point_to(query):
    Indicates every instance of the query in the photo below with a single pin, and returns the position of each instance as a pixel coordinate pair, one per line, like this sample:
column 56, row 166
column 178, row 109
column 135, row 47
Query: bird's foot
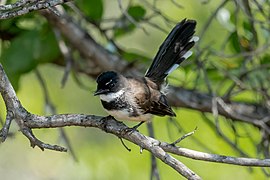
column 134, row 128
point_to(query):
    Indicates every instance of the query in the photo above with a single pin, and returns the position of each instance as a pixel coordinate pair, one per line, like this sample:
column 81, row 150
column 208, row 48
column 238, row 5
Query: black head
column 107, row 82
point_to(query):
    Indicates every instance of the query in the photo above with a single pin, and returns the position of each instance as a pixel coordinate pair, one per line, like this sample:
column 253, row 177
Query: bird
column 138, row 98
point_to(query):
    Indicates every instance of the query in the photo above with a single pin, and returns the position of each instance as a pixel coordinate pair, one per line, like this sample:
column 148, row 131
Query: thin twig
column 177, row 4
column 66, row 52
column 210, row 19
column 180, row 129
column 225, row 138
column 67, row 142
column 184, row 136
column 130, row 18
column 50, row 109
column 154, row 168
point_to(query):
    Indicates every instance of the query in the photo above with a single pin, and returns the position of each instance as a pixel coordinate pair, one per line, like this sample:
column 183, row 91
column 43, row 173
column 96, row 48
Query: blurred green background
column 100, row 155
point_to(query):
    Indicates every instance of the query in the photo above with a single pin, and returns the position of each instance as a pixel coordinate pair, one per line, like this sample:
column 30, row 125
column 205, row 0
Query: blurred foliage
column 27, row 49
column 19, row 57
column 125, row 25
column 232, row 56
column 92, row 9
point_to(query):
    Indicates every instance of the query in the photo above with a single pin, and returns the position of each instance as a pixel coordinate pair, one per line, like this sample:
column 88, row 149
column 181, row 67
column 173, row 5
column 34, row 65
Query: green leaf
column 248, row 31
column 9, row 29
column 48, row 49
column 123, row 30
column 247, row 26
column 214, row 75
column 91, row 8
column 235, row 42
column 137, row 12
column 265, row 59
column 26, row 51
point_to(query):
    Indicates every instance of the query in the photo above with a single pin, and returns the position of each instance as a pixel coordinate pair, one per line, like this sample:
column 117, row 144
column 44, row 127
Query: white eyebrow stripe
column 108, row 82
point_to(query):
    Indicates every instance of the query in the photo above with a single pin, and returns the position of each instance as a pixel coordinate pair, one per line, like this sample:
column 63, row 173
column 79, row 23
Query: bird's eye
column 111, row 85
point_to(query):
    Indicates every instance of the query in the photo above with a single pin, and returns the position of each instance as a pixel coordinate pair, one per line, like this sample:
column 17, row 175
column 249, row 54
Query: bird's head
column 107, row 82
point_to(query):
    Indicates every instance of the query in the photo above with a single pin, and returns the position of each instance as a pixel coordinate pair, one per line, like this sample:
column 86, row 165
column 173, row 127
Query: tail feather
column 173, row 51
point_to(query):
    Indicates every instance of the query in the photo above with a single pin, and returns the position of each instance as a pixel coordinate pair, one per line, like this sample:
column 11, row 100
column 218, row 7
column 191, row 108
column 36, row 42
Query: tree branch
column 112, row 126
column 22, row 7
column 28, row 121
column 216, row 158
column 15, row 111
column 154, row 168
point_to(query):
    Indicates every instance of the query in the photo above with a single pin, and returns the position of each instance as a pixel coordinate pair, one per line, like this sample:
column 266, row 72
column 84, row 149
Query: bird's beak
column 101, row 91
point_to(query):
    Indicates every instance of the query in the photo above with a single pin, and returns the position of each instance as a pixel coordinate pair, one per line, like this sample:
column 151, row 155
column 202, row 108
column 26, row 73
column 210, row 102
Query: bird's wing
column 161, row 107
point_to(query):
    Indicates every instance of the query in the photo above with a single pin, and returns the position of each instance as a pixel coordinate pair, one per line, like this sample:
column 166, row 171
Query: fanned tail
column 173, row 51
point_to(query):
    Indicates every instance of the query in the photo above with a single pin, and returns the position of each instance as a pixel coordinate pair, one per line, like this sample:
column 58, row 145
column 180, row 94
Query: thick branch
column 97, row 59
column 13, row 105
column 250, row 113
column 15, row 111
column 22, row 7
column 112, row 126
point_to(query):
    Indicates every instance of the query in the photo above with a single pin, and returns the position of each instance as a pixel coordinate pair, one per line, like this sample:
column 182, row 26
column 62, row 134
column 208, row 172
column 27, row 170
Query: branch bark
column 22, row 7
column 109, row 125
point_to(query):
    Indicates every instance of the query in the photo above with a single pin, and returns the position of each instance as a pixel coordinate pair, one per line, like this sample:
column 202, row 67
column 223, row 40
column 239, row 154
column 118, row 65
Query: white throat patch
column 111, row 96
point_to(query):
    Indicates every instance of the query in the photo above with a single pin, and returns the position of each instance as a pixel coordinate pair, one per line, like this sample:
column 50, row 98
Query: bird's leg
column 134, row 128
column 138, row 125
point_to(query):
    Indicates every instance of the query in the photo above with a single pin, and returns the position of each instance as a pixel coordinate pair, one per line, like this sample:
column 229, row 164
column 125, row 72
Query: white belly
column 123, row 115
